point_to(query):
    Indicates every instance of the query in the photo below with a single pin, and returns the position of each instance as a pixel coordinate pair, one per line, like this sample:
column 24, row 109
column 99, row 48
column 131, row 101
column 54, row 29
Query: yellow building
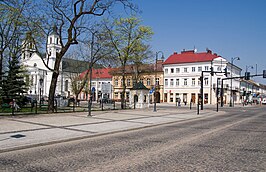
column 145, row 73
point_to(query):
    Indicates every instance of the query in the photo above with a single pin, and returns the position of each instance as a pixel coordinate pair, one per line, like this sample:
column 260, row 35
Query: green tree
column 13, row 86
column 127, row 36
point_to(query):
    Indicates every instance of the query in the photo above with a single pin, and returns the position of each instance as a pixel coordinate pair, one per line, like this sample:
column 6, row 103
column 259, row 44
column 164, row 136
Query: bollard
column 55, row 105
column 35, row 107
column 198, row 109
column 190, row 105
column 74, row 102
column 13, row 107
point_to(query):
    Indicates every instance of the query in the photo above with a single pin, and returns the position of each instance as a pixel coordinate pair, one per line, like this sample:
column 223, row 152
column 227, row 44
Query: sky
column 230, row 28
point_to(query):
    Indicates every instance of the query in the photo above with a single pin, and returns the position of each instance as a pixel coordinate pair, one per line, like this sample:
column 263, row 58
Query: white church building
column 39, row 75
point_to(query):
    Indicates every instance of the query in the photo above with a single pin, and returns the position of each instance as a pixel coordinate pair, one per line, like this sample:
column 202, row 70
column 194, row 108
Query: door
column 193, row 97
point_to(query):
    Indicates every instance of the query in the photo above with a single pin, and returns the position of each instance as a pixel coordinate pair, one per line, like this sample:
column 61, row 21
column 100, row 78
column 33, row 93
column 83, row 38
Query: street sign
column 93, row 89
column 151, row 91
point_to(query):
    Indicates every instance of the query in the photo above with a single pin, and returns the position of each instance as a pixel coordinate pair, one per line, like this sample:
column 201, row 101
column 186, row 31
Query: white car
column 263, row 100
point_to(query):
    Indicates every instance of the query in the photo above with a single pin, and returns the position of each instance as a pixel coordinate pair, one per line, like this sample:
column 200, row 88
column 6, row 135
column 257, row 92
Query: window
column 206, row 68
column 193, row 81
column 185, row 81
column 177, row 70
column 199, row 81
column 219, row 68
column 199, row 69
column 66, row 85
column 166, row 71
column 193, row 69
column 219, row 81
column 172, row 70
column 116, row 83
column 185, row 69
column 172, row 82
column 157, row 81
column 148, row 81
column 116, row 95
column 121, row 82
column 51, row 40
column 171, row 97
column 206, row 81
column 57, row 41
column 166, row 82
column 128, row 82
column 177, row 82
column 31, row 81
column 176, row 97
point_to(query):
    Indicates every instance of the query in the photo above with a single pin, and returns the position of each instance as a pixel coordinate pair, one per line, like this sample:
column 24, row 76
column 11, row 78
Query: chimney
column 208, row 51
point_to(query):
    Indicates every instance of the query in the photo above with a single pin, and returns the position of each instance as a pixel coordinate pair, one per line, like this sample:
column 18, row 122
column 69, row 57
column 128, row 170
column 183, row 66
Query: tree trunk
column 52, row 92
column 1, row 65
column 124, row 88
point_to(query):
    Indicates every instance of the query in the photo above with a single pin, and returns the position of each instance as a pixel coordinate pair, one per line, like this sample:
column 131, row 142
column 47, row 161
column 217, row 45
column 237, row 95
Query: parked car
column 106, row 100
column 264, row 101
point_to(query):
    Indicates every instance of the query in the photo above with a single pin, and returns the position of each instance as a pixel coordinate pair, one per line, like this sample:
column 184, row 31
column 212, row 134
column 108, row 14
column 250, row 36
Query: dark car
column 106, row 100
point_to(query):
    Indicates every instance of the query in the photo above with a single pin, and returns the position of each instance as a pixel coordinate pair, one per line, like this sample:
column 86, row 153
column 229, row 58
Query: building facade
column 151, row 75
column 101, row 84
column 182, row 74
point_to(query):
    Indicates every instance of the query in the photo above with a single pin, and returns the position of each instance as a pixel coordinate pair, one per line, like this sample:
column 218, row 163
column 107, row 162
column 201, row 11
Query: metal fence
column 60, row 107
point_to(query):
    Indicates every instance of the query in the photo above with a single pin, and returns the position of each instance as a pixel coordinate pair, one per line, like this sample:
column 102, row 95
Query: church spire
column 54, row 32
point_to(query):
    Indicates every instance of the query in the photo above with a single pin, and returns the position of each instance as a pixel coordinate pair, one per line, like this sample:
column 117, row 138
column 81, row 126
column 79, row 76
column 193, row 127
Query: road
column 235, row 141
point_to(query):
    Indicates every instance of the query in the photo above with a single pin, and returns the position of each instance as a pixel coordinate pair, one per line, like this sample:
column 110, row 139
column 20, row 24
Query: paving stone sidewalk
column 29, row 131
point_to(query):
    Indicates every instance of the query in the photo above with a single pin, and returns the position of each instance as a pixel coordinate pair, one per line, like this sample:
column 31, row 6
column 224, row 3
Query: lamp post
column 155, row 83
column 248, row 66
column 90, row 78
column 231, row 91
column 41, row 82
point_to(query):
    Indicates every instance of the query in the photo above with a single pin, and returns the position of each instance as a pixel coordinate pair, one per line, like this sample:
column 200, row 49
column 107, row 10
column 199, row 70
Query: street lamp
column 248, row 66
column 155, row 83
column 41, row 82
column 90, row 68
column 231, row 92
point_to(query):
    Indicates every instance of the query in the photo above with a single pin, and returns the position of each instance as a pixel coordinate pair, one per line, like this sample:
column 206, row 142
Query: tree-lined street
column 234, row 141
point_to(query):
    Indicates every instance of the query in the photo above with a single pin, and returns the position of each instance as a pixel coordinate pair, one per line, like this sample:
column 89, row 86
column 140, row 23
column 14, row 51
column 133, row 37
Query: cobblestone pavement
column 20, row 132
column 232, row 141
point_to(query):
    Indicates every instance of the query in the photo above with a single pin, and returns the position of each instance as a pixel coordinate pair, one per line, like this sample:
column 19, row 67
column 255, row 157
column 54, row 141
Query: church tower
column 28, row 47
column 53, row 46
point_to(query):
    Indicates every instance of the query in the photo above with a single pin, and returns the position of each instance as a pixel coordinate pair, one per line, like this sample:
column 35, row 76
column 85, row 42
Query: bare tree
column 72, row 18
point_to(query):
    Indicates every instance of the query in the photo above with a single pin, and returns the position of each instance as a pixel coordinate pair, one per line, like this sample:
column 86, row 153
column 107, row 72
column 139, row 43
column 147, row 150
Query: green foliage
column 13, row 85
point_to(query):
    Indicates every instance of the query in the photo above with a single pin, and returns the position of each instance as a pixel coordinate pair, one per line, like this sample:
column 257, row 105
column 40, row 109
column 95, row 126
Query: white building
column 101, row 84
column 40, row 76
column 182, row 74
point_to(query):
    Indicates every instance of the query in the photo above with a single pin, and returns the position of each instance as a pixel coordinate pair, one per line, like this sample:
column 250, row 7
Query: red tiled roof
column 190, row 57
column 98, row 73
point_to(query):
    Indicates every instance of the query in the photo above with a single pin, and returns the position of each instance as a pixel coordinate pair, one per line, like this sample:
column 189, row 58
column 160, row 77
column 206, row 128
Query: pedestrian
column 15, row 105
column 179, row 101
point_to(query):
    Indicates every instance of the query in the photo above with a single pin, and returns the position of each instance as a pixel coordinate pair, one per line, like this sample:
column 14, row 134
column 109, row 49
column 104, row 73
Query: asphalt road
column 235, row 141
